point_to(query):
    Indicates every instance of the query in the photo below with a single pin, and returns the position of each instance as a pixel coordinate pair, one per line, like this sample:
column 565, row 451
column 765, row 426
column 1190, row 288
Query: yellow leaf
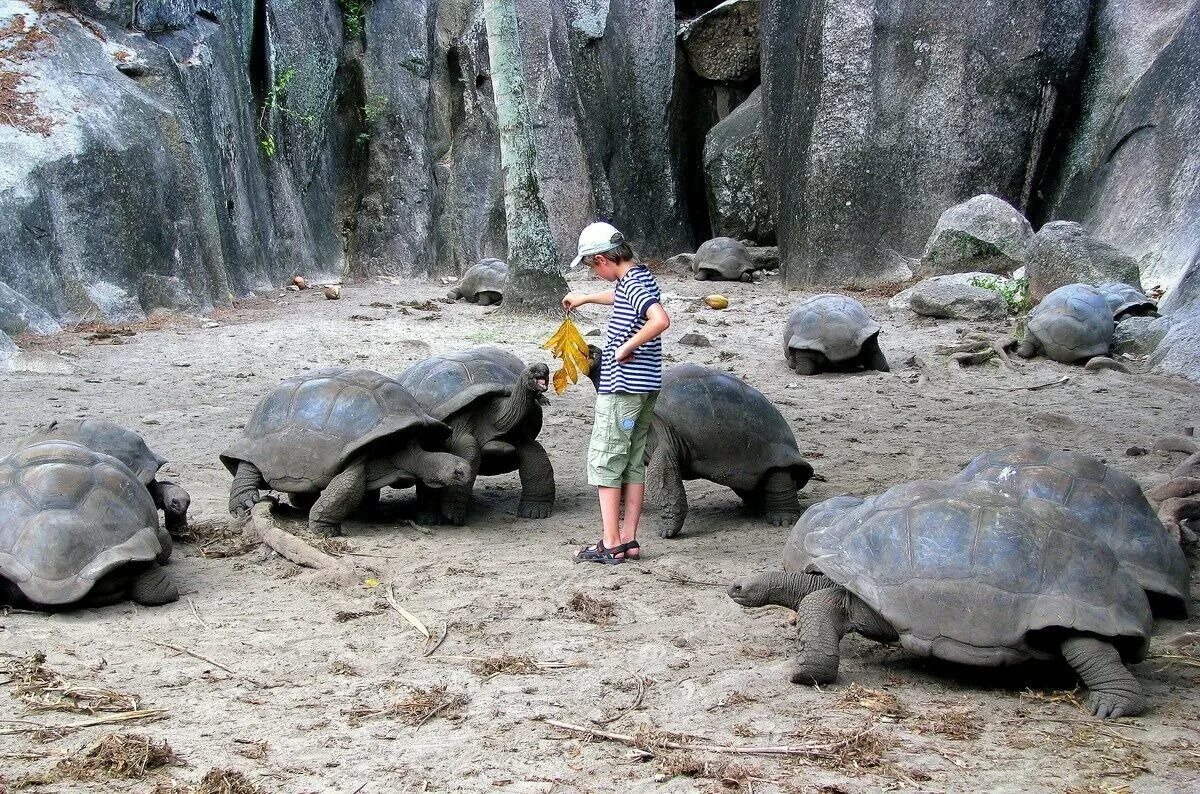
column 371, row 582
column 560, row 381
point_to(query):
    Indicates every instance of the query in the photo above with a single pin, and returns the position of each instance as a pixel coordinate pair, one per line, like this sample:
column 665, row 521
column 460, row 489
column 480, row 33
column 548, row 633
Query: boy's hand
column 624, row 352
column 574, row 300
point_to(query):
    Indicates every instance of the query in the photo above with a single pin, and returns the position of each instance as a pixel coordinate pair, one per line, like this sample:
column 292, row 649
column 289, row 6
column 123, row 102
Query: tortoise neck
column 787, row 589
column 513, row 409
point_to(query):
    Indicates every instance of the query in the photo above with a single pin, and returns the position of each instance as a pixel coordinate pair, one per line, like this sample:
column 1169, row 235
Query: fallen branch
column 404, row 613
column 295, row 549
column 202, row 658
column 637, row 701
column 1184, row 444
column 124, row 716
column 431, row 646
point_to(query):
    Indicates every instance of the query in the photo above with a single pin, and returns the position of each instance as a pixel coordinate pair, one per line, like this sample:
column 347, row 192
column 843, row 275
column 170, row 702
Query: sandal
column 634, row 546
column 598, row 552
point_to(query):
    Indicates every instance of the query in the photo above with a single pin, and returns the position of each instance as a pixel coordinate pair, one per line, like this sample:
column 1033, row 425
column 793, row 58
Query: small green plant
column 375, row 108
column 275, row 102
column 1014, row 292
column 354, row 15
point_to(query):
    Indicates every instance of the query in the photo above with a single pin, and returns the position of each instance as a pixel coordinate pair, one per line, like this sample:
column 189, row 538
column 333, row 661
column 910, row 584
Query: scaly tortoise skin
column 493, row 404
column 1073, row 323
column 335, row 437
column 831, row 331
column 1109, row 503
column 78, row 528
column 710, row 425
column 968, row 573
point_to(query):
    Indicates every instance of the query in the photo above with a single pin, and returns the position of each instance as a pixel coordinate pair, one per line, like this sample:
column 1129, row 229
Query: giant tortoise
column 723, row 258
column 832, row 332
column 483, row 283
column 1072, row 323
column 493, row 405
column 342, row 435
column 78, row 528
column 968, row 573
column 131, row 449
column 1107, row 502
column 711, row 425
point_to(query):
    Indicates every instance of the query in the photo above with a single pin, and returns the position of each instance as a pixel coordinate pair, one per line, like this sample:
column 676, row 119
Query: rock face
column 1179, row 350
column 735, row 175
column 1139, row 336
column 985, row 233
column 18, row 314
column 878, row 116
column 1063, row 252
column 1129, row 174
column 722, row 44
column 953, row 300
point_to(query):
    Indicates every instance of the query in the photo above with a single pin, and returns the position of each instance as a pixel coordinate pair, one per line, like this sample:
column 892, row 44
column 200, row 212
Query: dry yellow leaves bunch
column 568, row 345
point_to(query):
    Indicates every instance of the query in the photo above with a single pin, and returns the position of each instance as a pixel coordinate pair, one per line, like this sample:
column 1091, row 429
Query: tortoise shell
column 486, row 275
column 723, row 257
column 109, row 438
column 1072, row 323
column 733, row 434
column 445, row 385
column 836, row 326
column 1124, row 300
column 968, row 573
column 302, row 434
column 68, row 516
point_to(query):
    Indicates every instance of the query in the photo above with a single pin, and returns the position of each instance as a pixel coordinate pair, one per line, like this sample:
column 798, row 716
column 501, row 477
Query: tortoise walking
column 483, row 283
column 493, row 405
column 1104, row 500
column 832, row 332
column 78, row 528
column 711, row 425
column 131, row 449
column 1072, row 323
column 967, row 573
column 339, row 434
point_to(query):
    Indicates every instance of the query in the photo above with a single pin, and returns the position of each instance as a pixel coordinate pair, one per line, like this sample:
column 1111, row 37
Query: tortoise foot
column 783, row 519
column 325, row 529
column 535, row 509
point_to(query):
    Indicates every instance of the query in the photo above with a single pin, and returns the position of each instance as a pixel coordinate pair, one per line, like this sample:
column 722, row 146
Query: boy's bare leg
column 635, row 495
column 610, row 512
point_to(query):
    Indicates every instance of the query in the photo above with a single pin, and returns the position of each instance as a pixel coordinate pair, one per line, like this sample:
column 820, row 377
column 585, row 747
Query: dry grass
column 725, row 770
column 960, row 725
column 249, row 748
column 43, row 689
column 123, row 756
column 885, row 704
column 18, row 44
column 217, row 781
column 751, row 651
column 507, row 664
column 1070, row 698
column 592, row 609
column 851, row 752
column 339, row 667
column 421, row 705
column 216, row 538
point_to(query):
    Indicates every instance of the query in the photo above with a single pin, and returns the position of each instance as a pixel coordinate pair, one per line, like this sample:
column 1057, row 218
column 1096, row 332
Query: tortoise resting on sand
column 493, row 405
column 483, row 283
column 1072, row 323
column 1126, row 301
column 967, row 573
column 710, row 425
column 723, row 258
column 131, row 449
column 78, row 528
column 341, row 435
column 1109, row 503
column 831, row 331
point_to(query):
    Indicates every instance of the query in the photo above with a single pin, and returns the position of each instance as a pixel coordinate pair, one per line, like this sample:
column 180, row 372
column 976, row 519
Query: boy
column 630, row 378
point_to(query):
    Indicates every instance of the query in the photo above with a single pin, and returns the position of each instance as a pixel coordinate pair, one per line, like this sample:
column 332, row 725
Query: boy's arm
column 657, row 321
column 574, row 300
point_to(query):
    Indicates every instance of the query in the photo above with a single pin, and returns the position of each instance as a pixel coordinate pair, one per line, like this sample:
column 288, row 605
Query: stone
column 1063, row 252
column 902, row 301
column 723, row 43
column 157, row 292
column 950, row 300
column 735, row 176
column 19, row 315
column 1138, row 336
column 763, row 257
column 680, row 264
column 695, row 340
column 114, row 304
column 984, row 233
column 1179, row 350
column 878, row 116
column 1101, row 363
column 8, row 348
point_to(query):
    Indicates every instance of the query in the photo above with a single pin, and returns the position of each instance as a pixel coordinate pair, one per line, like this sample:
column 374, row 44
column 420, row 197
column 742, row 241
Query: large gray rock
column 902, row 301
column 735, row 175
column 1063, row 252
column 723, row 44
column 880, row 115
column 950, row 300
column 984, row 233
column 151, row 16
column 1139, row 336
column 1179, row 351
column 1129, row 172
column 18, row 314
column 8, row 348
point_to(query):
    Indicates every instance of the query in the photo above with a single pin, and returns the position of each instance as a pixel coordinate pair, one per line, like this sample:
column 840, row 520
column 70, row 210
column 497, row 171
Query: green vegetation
column 354, row 16
column 1014, row 292
column 276, row 102
column 372, row 111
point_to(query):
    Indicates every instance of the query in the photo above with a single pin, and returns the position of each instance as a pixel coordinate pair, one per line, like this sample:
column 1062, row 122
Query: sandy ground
column 308, row 686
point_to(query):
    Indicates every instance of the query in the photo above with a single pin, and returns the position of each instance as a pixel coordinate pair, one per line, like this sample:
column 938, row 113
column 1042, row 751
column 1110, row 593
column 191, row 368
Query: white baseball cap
column 597, row 238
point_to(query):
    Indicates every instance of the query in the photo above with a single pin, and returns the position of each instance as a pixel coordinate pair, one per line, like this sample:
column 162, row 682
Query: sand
column 306, row 685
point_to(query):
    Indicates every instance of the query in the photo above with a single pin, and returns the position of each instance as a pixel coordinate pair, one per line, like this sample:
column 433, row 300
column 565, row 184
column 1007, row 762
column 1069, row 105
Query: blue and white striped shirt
column 633, row 295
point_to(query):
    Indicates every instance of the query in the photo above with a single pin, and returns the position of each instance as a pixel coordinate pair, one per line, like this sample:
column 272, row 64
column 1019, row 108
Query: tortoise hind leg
column 779, row 498
column 804, row 362
column 665, row 488
column 1112, row 689
column 153, row 588
column 344, row 493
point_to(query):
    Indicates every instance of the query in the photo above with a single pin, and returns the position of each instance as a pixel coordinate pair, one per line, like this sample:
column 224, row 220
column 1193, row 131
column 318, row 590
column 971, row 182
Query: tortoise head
column 536, row 378
column 594, row 356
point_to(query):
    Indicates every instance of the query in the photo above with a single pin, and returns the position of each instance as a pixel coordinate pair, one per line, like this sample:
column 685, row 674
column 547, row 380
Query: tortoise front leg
column 820, row 624
column 244, row 494
column 429, row 505
column 537, row 481
column 871, row 357
column 153, row 588
column 457, row 497
column 343, row 494
column 779, row 498
column 1113, row 691
column 173, row 501
column 666, row 490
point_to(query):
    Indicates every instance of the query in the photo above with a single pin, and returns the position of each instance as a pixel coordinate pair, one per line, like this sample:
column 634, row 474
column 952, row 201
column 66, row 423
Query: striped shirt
column 633, row 295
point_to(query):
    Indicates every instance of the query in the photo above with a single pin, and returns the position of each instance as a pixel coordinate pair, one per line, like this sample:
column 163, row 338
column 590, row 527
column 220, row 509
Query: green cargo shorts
column 617, row 451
